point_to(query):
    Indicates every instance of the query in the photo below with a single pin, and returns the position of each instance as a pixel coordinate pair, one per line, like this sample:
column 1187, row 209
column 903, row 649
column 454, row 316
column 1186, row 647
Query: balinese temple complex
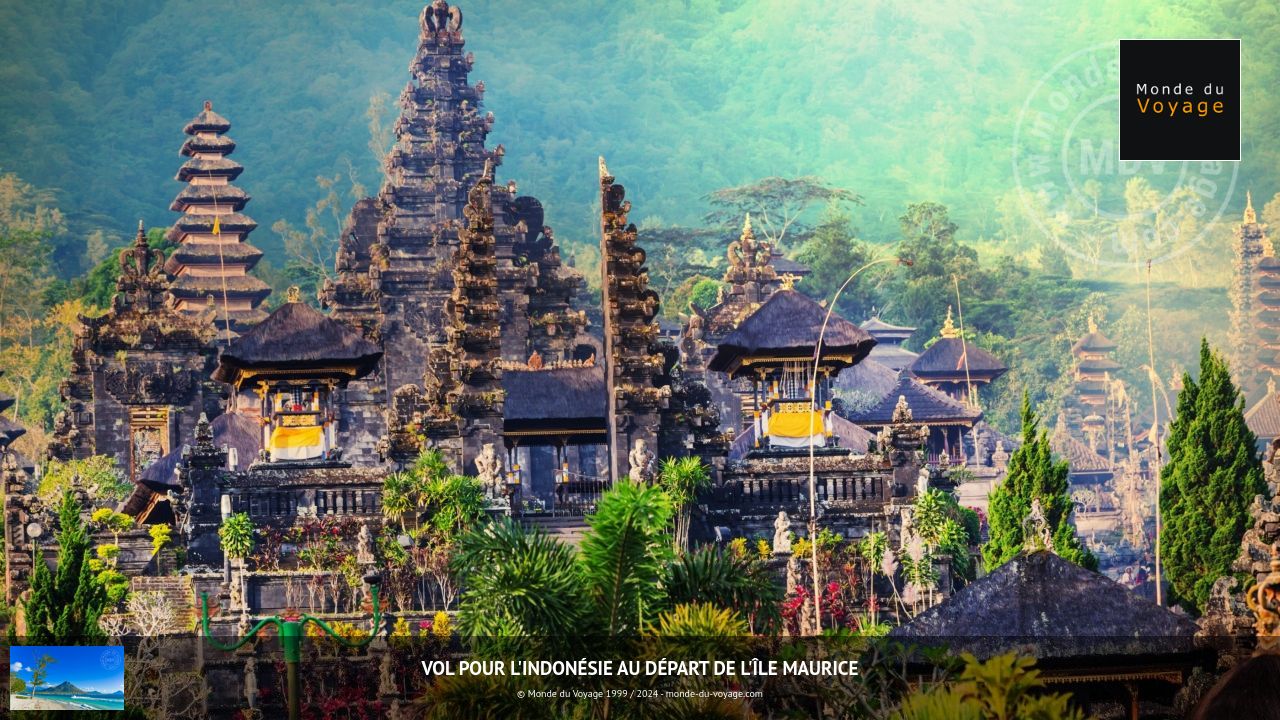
column 452, row 324
column 213, row 260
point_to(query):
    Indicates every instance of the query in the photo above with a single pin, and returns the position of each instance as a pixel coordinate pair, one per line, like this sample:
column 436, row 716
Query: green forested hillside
column 900, row 102
column 893, row 124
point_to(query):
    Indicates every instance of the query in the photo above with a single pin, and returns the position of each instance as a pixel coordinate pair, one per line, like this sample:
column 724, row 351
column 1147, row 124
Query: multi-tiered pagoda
column 1255, row 299
column 213, row 259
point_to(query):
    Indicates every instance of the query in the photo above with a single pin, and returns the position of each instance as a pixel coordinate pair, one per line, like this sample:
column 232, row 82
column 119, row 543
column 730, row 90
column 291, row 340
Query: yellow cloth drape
column 796, row 424
column 297, row 443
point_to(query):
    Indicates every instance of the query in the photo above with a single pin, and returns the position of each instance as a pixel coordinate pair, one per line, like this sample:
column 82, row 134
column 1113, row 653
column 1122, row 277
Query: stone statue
column 782, row 534
column 922, row 482
column 364, row 546
column 386, row 678
column 1035, row 529
column 640, row 460
column 1000, row 458
column 489, row 468
column 251, row 681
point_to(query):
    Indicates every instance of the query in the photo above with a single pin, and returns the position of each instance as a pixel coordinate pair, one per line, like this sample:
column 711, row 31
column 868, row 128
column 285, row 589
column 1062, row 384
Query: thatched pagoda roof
column 787, row 325
column 945, row 358
column 297, row 337
column 928, row 406
column 1080, row 457
column 202, row 253
column 1052, row 608
column 226, row 196
column 10, row 431
column 209, row 167
column 207, row 121
column 230, row 222
column 209, row 144
column 195, row 287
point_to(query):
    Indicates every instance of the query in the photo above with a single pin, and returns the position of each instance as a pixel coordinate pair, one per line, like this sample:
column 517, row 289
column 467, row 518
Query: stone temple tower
column 401, row 256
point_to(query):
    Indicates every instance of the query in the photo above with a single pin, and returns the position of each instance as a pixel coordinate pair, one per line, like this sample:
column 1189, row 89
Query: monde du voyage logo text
column 1180, row 100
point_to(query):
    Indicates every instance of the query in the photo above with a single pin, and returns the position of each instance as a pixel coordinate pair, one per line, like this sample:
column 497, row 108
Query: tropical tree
column 714, row 576
column 236, row 536
column 112, row 521
column 624, row 556
column 40, row 673
column 1033, row 475
column 683, row 478
column 776, row 204
column 520, row 586
column 397, row 500
column 64, row 606
column 1212, row 476
column 1005, row 687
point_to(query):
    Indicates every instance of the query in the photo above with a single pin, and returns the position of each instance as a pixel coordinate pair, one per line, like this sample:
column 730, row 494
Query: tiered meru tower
column 1255, row 300
column 396, row 270
column 213, row 259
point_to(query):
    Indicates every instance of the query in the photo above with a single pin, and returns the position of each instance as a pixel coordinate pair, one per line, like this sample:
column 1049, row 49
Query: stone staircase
column 180, row 593
column 567, row 529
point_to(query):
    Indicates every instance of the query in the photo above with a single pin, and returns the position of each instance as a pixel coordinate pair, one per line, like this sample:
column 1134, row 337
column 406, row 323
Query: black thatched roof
column 6, row 402
column 945, row 359
column 1094, row 341
column 564, row 397
column 1098, row 365
column 215, row 144
column 200, row 286
column 1056, row 608
column 869, row 376
column 879, row 328
column 231, row 430
column 230, row 222
column 226, row 196
column 783, row 265
column 1264, row 417
column 297, row 336
column 209, row 167
column 892, row 356
column 10, row 431
column 787, row 324
column 1269, row 263
column 207, row 121
column 928, row 406
column 203, row 253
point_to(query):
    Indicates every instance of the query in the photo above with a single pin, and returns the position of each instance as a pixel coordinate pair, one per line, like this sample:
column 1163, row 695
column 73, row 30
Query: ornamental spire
column 1250, row 216
column 949, row 330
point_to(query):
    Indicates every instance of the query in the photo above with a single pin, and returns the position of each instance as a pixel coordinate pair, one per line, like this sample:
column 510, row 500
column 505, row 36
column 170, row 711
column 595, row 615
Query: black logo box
column 1186, row 68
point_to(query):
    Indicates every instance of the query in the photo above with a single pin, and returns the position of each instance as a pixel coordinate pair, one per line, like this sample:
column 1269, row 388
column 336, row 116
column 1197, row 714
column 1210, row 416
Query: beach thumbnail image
column 66, row 678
